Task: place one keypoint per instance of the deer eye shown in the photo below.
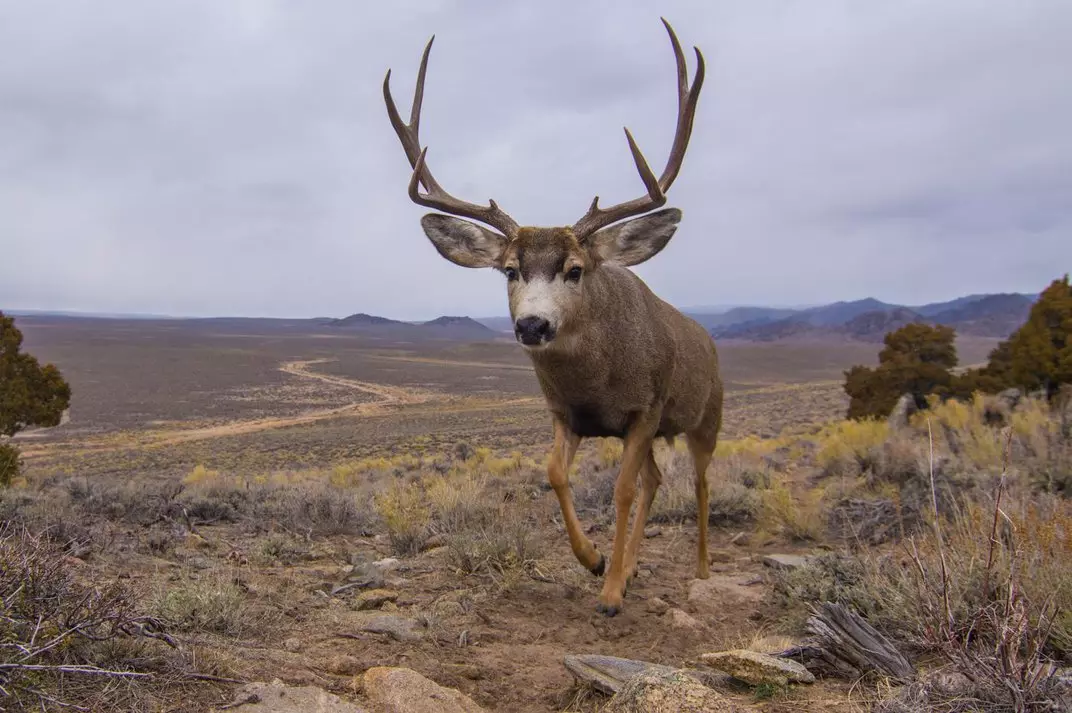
(511, 273)
(574, 274)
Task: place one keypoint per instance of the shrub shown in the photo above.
(62, 642)
(30, 394)
(917, 360)
(406, 515)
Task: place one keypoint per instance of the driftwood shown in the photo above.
(845, 645)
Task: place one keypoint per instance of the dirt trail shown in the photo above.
(386, 396)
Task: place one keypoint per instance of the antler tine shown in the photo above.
(687, 98)
(436, 197)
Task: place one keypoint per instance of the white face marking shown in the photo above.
(541, 298)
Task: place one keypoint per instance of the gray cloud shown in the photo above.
(199, 157)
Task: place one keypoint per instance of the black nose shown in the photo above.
(533, 330)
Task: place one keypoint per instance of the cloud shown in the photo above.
(209, 158)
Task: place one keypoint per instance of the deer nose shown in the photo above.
(531, 331)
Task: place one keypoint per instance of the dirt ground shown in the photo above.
(152, 401)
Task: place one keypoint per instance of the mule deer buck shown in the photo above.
(612, 358)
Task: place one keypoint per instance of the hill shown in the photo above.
(993, 315)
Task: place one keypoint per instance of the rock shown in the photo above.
(785, 562)
(902, 411)
(343, 665)
(720, 556)
(448, 608)
(653, 531)
(362, 576)
(758, 669)
(1010, 398)
(609, 674)
(718, 591)
(199, 562)
(387, 564)
(397, 627)
(657, 606)
(436, 540)
(374, 598)
(293, 645)
(277, 697)
(402, 690)
(668, 692)
(680, 620)
(741, 539)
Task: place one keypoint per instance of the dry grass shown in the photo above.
(980, 575)
(67, 644)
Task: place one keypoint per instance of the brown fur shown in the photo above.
(625, 363)
(611, 357)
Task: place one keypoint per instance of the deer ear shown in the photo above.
(636, 240)
(462, 242)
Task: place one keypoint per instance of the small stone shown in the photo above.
(387, 564)
(785, 563)
(718, 591)
(657, 606)
(448, 608)
(681, 620)
(721, 556)
(343, 665)
(758, 669)
(436, 540)
(653, 531)
(397, 627)
(199, 562)
(668, 692)
(292, 645)
(402, 690)
(374, 598)
(195, 541)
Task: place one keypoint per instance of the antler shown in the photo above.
(597, 217)
(436, 197)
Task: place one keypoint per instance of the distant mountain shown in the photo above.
(839, 313)
(996, 315)
(366, 320)
(990, 315)
(459, 327)
(739, 315)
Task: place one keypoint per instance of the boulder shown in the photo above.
(758, 669)
(403, 690)
(277, 697)
(668, 692)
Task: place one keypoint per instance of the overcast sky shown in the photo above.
(199, 157)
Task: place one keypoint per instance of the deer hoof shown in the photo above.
(608, 610)
(600, 567)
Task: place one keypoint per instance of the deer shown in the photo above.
(613, 360)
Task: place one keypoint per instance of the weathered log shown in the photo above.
(845, 645)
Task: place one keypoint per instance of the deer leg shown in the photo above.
(650, 479)
(701, 451)
(562, 453)
(637, 446)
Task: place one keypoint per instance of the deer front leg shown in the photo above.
(637, 445)
(650, 479)
(562, 453)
